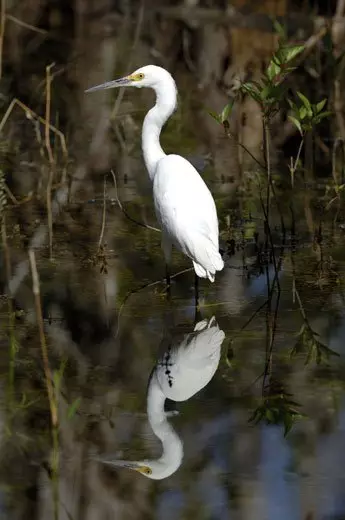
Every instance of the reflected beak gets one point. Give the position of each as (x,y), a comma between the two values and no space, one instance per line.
(121,82)
(121,464)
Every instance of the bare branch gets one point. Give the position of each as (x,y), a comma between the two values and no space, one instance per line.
(125,212)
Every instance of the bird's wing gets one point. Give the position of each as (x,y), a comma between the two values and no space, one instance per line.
(190,365)
(183,203)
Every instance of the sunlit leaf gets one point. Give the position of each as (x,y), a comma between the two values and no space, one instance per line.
(321,116)
(320,105)
(292,52)
(72,409)
(305,102)
(215,116)
(226,111)
(302,112)
(279,29)
(273,70)
(252,90)
(296,123)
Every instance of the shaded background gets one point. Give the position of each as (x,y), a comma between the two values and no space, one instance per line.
(56,191)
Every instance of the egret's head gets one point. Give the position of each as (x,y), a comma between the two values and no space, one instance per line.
(153,469)
(148,76)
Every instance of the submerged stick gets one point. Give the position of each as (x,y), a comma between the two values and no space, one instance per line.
(52,398)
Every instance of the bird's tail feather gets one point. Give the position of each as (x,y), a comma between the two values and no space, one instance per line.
(208,273)
(211,262)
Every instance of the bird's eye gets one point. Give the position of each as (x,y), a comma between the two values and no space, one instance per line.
(148,470)
(140,75)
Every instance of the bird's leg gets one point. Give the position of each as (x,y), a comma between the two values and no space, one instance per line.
(167,246)
(167,278)
(196,289)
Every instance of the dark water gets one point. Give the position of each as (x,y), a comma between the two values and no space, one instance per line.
(105,351)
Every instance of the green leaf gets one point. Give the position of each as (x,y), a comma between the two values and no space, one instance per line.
(279,29)
(226,111)
(296,123)
(305,102)
(302,112)
(215,116)
(320,105)
(270,416)
(322,116)
(252,90)
(288,422)
(273,70)
(292,52)
(72,409)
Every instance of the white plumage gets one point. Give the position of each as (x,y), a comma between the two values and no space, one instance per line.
(187,215)
(183,203)
(182,371)
(186,368)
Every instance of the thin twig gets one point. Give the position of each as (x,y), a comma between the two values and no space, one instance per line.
(30,114)
(147,226)
(50,158)
(248,321)
(231,135)
(26,25)
(294,164)
(141,288)
(12,349)
(47,114)
(103,214)
(2,32)
(48,380)
(46,367)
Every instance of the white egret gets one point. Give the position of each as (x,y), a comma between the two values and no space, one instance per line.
(181,372)
(184,205)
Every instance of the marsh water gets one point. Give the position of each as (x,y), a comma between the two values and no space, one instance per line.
(107,318)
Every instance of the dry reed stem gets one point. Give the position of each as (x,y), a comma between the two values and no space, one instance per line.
(12,349)
(52,395)
(47,114)
(30,114)
(5,247)
(25,25)
(2,32)
(50,158)
(103,214)
(46,367)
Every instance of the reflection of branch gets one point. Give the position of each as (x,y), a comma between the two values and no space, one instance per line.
(248,321)
(147,226)
(103,214)
(141,288)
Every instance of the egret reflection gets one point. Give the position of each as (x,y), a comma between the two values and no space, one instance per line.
(182,371)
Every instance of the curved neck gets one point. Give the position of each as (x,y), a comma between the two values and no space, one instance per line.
(166,99)
(172,444)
